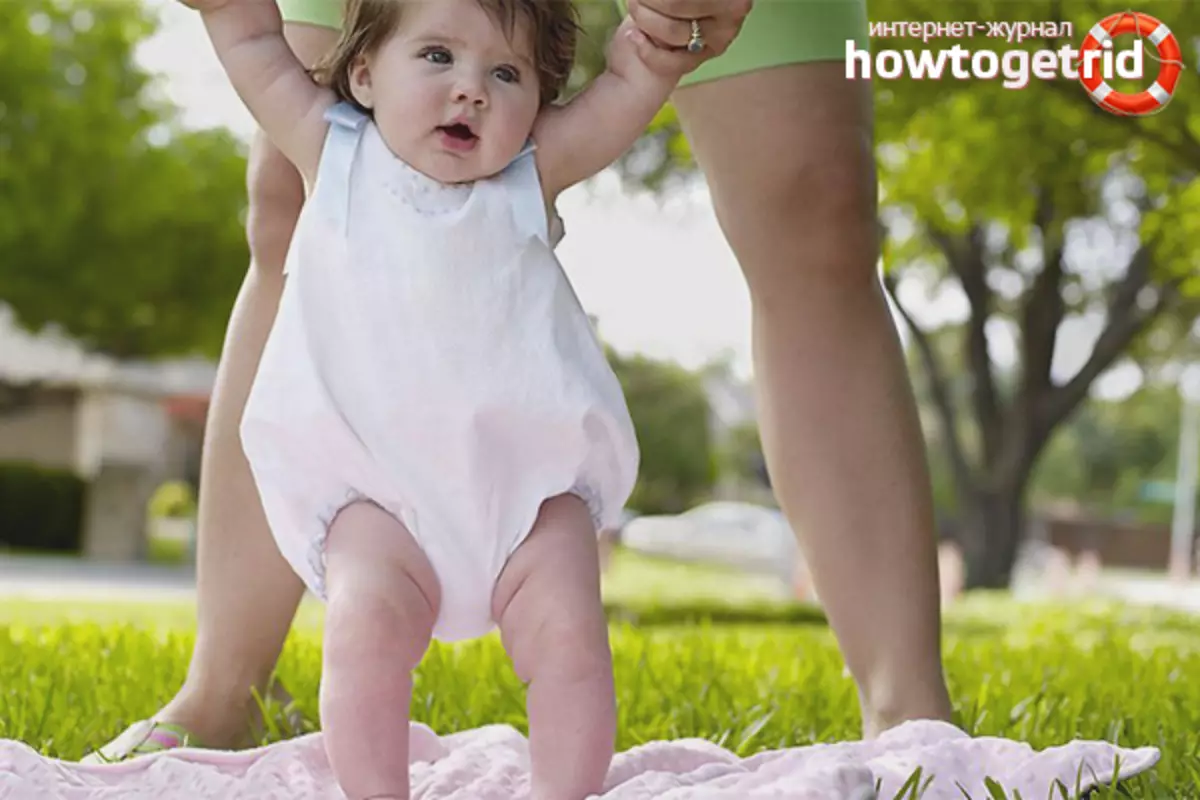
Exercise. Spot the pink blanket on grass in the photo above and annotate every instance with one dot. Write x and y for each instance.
(491, 763)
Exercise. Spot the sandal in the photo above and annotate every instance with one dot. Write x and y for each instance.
(141, 739)
(150, 736)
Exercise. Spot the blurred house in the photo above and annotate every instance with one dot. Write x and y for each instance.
(1114, 543)
(128, 427)
(123, 427)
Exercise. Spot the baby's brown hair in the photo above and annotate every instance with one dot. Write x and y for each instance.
(369, 23)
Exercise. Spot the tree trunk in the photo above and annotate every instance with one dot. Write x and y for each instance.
(991, 536)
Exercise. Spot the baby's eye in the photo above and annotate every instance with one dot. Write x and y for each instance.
(508, 74)
(437, 55)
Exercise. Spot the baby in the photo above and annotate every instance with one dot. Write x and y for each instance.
(434, 430)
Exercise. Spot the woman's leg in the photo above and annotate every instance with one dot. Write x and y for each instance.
(788, 154)
(246, 593)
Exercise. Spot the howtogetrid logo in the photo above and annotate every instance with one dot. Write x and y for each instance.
(1098, 46)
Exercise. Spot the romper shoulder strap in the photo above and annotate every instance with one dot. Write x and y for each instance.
(525, 189)
(337, 161)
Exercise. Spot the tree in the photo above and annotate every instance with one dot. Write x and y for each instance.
(115, 224)
(671, 415)
(992, 195)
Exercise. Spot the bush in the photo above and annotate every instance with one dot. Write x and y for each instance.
(173, 499)
(702, 613)
(40, 508)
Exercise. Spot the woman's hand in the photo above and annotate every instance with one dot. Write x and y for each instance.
(631, 51)
(668, 23)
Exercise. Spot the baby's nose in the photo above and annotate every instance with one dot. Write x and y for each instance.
(471, 91)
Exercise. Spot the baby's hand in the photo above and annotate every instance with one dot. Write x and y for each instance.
(248, 38)
(631, 50)
(582, 137)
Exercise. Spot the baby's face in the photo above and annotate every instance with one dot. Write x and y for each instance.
(452, 96)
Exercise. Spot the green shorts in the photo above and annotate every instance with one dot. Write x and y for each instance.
(777, 32)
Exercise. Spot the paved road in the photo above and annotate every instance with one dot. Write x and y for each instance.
(1154, 590)
(54, 578)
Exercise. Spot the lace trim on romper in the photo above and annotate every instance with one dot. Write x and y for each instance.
(316, 550)
(423, 194)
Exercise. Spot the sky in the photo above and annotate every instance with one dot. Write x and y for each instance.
(657, 273)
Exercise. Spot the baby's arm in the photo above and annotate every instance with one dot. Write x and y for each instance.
(577, 140)
(248, 38)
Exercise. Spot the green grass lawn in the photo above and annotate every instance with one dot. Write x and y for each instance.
(72, 676)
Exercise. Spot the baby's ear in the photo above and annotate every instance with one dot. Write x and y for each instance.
(360, 82)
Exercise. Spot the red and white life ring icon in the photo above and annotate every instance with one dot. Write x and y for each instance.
(1169, 56)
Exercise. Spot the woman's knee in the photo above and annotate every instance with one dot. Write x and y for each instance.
(276, 195)
(788, 155)
(828, 191)
(810, 222)
(814, 219)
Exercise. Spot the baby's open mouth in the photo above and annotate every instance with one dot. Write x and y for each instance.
(460, 131)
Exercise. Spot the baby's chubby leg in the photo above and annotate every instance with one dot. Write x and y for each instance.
(383, 598)
(547, 604)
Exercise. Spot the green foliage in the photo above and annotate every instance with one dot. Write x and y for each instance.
(638, 583)
(173, 499)
(597, 22)
(114, 223)
(1105, 454)
(671, 415)
(741, 453)
(1041, 210)
(955, 152)
(648, 615)
(40, 508)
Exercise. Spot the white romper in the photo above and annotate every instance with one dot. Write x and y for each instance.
(430, 356)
